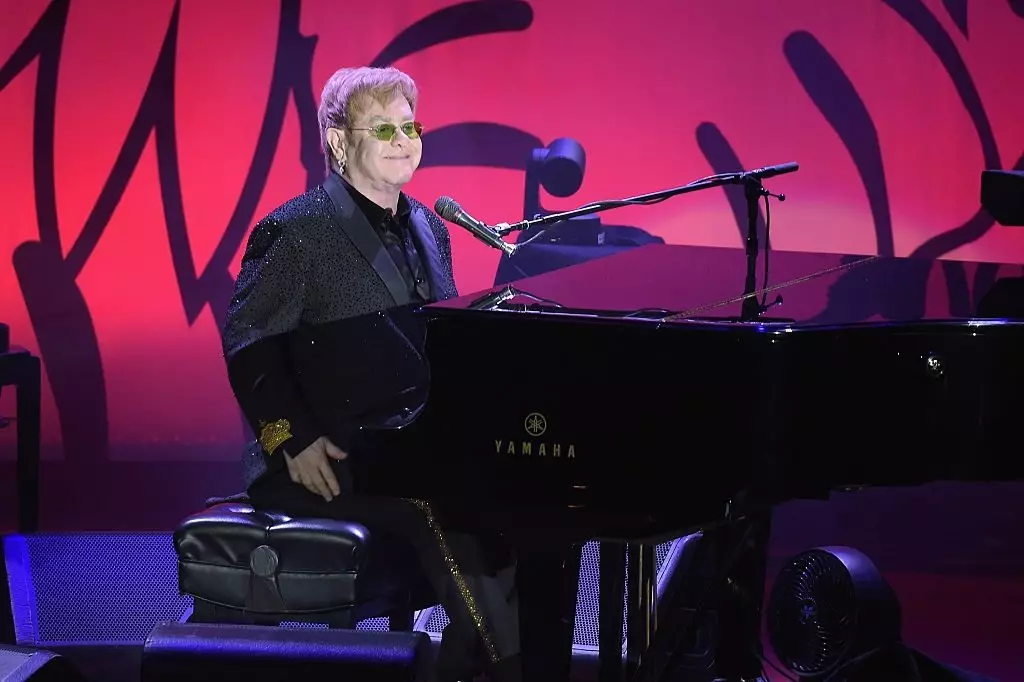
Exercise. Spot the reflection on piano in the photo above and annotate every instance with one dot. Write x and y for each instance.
(620, 399)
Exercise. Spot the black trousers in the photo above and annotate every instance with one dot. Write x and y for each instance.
(473, 577)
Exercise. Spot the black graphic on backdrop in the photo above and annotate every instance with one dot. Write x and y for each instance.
(957, 11)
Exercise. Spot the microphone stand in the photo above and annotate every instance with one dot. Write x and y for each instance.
(753, 190)
(715, 181)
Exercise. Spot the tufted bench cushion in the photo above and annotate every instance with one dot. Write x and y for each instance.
(250, 566)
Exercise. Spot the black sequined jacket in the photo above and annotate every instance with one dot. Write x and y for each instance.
(321, 335)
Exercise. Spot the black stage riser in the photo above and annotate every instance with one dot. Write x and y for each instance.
(213, 653)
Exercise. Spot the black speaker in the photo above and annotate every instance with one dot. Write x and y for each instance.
(1004, 299)
(1002, 195)
(23, 664)
(200, 652)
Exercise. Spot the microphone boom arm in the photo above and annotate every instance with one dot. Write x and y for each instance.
(739, 177)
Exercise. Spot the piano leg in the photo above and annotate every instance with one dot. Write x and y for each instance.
(547, 580)
(611, 585)
(642, 604)
(740, 551)
(709, 623)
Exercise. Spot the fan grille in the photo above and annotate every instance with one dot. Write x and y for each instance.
(812, 613)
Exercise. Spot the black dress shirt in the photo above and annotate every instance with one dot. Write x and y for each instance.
(393, 230)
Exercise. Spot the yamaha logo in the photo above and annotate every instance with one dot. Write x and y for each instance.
(534, 444)
(535, 424)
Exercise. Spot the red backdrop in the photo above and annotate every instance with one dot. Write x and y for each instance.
(142, 140)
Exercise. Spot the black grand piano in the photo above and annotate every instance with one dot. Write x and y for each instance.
(619, 399)
(623, 399)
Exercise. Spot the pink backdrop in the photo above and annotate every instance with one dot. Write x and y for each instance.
(142, 140)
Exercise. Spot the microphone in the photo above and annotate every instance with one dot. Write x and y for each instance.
(772, 171)
(449, 209)
(494, 299)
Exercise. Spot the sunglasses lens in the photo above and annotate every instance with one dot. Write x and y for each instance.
(385, 131)
(412, 129)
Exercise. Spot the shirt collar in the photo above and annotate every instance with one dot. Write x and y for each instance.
(378, 216)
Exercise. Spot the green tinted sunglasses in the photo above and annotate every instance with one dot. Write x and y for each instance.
(385, 132)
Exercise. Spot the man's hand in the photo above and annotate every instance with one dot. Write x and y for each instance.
(312, 469)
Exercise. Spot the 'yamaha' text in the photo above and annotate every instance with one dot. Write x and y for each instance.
(528, 448)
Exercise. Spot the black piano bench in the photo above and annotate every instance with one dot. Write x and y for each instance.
(248, 567)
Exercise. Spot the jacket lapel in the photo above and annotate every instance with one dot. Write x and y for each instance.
(426, 244)
(362, 234)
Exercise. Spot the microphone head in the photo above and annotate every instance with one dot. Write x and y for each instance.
(447, 208)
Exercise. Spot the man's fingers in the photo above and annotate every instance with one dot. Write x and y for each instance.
(307, 482)
(293, 472)
(333, 451)
(322, 488)
(314, 469)
(314, 481)
(329, 478)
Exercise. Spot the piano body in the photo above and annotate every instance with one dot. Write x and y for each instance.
(621, 399)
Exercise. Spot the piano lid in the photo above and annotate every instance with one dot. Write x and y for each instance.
(812, 288)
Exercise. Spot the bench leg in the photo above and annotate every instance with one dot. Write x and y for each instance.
(400, 620)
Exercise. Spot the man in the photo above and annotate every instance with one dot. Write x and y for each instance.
(320, 340)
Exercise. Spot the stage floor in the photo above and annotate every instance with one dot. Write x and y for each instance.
(972, 622)
(952, 552)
